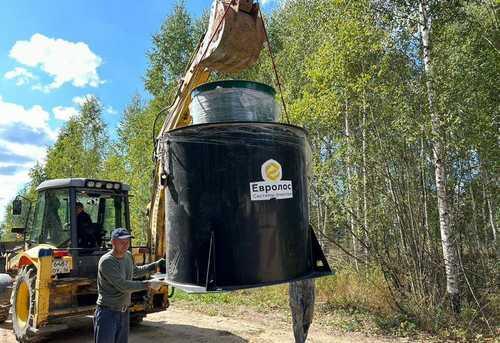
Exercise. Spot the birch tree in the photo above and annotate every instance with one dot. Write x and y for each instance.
(438, 149)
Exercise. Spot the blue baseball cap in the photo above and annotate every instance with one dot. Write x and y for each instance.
(120, 233)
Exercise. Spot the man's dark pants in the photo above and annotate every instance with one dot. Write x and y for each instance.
(110, 326)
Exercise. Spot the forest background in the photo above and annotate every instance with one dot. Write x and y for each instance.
(401, 102)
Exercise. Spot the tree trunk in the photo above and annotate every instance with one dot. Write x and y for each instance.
(491, 215)
(490, 209)
(349, 191)
(477, 234)
(365, 200)
(447, 239)
(427, 236)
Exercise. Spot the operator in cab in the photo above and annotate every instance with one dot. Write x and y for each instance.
(84, 227)
(82, 217)
(114, 286)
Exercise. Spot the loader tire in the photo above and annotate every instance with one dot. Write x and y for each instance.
(136, 318)
(23, 304)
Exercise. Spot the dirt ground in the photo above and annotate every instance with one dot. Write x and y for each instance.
(179, 324)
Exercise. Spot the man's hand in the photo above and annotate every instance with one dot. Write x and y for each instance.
(154, 285)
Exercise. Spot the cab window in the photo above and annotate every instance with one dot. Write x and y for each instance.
(100, 215)
(51, 220)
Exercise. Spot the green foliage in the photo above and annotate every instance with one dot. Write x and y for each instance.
(170, 54)
(5, 228)
(81, 146)
(131, 162)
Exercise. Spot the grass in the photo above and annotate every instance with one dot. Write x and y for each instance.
(353, 301)
(337, 311)
(266, 299)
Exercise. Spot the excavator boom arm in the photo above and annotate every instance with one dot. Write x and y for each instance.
(232, 43)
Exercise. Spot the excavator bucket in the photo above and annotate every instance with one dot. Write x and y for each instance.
(234, 38)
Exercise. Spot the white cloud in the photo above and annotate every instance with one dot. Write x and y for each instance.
(11, 164)
(35, 117)
(42, 88)
(64, 113)
(24, 133)
(11, 184)
(23, 155)
(33, 152)
(21, 75)
(111, 110)
(63, 60)
(79, 100)
(268, 2)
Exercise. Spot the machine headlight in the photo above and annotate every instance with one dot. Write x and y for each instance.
(116, 186)
(90, 184)
(98, 184)
(109, 186)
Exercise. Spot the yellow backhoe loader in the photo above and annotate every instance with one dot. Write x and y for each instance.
(54, 273)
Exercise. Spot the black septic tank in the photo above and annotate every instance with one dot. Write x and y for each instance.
(236, 206)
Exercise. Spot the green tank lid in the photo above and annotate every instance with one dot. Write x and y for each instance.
(234, 84)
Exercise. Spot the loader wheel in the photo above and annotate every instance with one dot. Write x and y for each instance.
(23, 304)
(136, 318)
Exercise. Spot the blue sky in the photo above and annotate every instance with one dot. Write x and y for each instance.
(53, 54)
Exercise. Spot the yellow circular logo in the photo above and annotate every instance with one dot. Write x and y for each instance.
(271, 170)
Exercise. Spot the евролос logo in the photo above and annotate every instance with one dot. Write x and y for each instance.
(273, 187)
(271, 170)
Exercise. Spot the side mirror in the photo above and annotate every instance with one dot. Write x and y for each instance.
(17, 207)
(18, 230)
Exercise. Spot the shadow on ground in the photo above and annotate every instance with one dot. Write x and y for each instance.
(80, 331)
